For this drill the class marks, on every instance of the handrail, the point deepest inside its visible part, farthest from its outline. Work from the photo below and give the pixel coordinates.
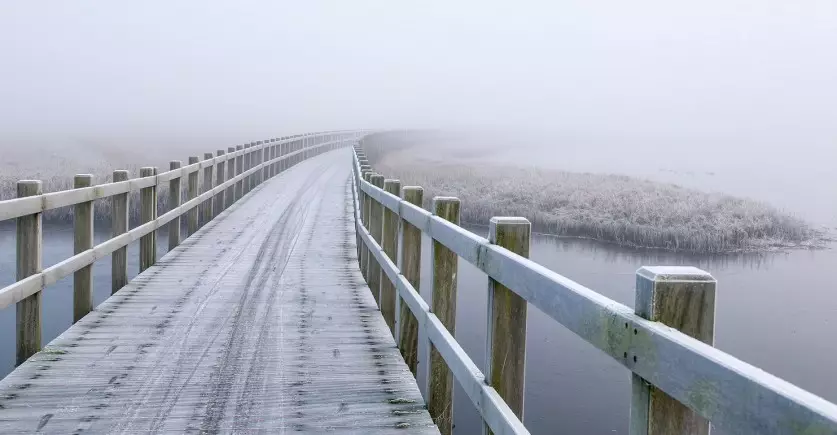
(18, 207)
(253, 164)
(30, 285)
(730, 393)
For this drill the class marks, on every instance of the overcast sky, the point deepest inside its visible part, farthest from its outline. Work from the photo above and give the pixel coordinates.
(190, 70)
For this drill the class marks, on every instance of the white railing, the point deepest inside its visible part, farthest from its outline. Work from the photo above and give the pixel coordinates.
(252, 164)
(731, 394)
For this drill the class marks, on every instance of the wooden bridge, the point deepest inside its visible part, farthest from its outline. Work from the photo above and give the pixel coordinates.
(262, 318)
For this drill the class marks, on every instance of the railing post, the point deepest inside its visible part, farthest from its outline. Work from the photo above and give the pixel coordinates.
(265, 160)
(389, 242)
(174, 202)
(411, 269)
(148, 212)
(271, 155)
(248, 157)
(82, 241)
(365, 205)
(206, 205)
(192, 192)
(29, 242)
(375, 228)
(682, 298)
(219, 180)
(119, 225)
(506, 332)
(229, 195)
(239, 168)
(443, 303)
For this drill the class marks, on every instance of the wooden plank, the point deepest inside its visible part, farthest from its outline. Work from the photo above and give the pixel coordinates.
(29, 244)
(683, 298)
(389, 242)
(119, 226)
(507, 312)
(148, 212)
(440, 388)
(411, 269)
(82, 241)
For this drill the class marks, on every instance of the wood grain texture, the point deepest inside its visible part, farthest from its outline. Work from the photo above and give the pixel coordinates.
(275, 333)
(440, 402)
(119, 225)
(220, 178)
(411, 269)
(682, 298)
(174, 201)
(389, 243)
(82, 241)
(148, 212)
(29, 262)
(365, 207)
(192, 193)
(375, 228)
(507, 312)
(229, 194)
(206, 186)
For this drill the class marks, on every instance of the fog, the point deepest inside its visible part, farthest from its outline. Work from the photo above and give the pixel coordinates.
(747, 82)
(205, 69)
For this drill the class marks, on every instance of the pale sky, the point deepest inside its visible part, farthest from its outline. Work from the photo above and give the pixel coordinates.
(192, 70)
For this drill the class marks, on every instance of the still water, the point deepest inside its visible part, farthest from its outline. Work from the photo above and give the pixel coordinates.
(775, 311)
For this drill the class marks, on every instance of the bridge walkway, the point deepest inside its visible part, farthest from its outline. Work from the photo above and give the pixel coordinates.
(259, 322)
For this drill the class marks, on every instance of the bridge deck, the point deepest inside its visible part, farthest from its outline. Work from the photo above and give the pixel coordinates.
(260, 322)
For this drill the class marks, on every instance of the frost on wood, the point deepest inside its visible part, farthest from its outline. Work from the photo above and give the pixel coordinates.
(612, 208)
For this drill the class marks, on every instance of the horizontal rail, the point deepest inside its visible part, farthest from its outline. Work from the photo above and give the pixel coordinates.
(732, 394)
(497, 415)
(18, 207)
(26, 287)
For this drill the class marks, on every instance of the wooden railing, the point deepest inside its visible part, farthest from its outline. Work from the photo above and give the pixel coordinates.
(680, 383)
(228, 176)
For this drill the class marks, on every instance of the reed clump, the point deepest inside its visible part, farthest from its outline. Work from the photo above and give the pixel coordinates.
(618, 209)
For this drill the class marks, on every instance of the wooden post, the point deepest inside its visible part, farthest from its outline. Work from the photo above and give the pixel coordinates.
(206, 209)
(82, 241)
(411, 269)
(266, 162)
(148, 212)
(375, 227)
(239, 168)
(229, 195)
(29, 242)
(174, 202)
(506, 332)
(248, 156)
(365, 204)
(192, 192)
(684, 299)
(389, 242)
(119, 225)
(220, 178)
(440, 403)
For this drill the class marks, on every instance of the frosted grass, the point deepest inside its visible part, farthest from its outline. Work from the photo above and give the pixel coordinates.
(618, 209)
